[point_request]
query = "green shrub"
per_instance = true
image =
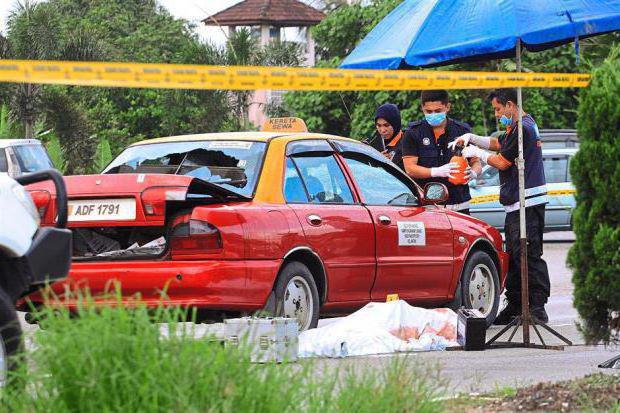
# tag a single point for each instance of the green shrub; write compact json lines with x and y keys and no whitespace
{"x":56,"y":152}
{"x":595,"y":170}
{"x":118,"y":359}
{"x":103,"y":155}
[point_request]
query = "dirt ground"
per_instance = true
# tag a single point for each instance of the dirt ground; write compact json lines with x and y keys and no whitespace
{"x":595,"y":392}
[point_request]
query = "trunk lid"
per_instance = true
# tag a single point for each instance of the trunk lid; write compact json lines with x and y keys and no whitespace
{"x":125,"y":216}
{"x":126,"y":199}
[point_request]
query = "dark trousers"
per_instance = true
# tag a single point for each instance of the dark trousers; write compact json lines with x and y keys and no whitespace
{"x":538,"y":274}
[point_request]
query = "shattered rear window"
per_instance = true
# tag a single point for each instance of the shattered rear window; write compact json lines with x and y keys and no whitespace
{"x":234,"y":165}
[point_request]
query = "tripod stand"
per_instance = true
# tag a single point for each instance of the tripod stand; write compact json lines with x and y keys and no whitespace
{"x":525,"y":319}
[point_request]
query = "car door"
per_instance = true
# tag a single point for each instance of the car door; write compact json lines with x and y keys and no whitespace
{"x":414,"y":244}
{"x":559,"y":192}
{"x":336,"y":226}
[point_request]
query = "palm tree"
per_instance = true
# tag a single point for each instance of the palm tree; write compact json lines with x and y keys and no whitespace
{"x":34,"y":33}
{"x":242,"y":49}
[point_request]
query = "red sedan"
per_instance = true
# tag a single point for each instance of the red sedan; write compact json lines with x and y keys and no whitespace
{"x":297,"y":224}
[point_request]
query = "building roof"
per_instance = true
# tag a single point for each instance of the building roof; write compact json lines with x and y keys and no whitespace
{"x":281,"y":13}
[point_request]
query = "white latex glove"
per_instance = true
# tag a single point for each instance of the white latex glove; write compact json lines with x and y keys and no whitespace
{"x":444,"y":171}
{"x":483,"y":142}
{"x":470,"y":174}
{"x":475,"y":152}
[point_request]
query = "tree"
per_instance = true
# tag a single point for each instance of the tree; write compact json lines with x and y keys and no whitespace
{"x":242,"y":49}
{"x":595,"y":171}
{"x":34,"y":33}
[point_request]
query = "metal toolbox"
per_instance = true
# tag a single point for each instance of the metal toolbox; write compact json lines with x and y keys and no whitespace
{"x":269,"y":339}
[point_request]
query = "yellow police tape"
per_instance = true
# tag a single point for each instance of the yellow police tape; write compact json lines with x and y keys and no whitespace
{"x":483,"y":199}
{"x":176,"y":76}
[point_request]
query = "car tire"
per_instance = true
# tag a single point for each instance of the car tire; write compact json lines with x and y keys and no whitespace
{"x":295,"y":295}
{"x":480,"y":285}
{"x":11,"y":337}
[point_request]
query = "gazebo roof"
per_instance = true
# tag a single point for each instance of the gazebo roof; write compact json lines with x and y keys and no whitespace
{"x":280,"y":13}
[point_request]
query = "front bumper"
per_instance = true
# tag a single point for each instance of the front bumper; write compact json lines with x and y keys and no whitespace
{"x":47,"y":260}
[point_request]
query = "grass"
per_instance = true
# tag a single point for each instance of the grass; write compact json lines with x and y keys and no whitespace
{"x":116,"y":359}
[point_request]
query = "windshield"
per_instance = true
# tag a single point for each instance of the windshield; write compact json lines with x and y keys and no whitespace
{"x":32,"y":158}
{"x":233,"y":165}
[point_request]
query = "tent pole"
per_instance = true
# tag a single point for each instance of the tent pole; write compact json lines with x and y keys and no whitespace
{"x":525,"y":310}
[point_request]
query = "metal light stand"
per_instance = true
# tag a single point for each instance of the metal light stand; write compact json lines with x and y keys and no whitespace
{"x":525,"y":319}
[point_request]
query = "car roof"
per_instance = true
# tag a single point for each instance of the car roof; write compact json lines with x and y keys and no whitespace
{"x":4,"y":143}
{"x":559,"y":151}
{"x":242,"y":136}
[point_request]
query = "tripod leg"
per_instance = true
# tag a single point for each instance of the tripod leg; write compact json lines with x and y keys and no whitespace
{"x":514,"y":322}
{"x":520,"y":323}
{"x":555,"y":333}
{"x":538,"y":334}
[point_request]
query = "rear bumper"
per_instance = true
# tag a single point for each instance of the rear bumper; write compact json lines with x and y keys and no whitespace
{"x":214,"y":284}
{"x":47,"y":260}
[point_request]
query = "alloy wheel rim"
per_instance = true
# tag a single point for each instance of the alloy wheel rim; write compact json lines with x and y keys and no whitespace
{"x":298,"y":302}
{"x":481,"y":289}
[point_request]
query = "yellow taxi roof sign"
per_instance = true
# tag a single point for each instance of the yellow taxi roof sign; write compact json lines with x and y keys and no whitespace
{"x":284,"y":125}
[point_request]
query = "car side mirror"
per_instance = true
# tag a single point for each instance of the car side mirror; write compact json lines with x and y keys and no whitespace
{"x":435,"y":192}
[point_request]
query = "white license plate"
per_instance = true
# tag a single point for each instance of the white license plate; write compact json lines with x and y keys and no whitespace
{"x":102,"y":209}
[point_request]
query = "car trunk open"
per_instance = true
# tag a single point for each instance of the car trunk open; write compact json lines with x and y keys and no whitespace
{"x":126,"y":216}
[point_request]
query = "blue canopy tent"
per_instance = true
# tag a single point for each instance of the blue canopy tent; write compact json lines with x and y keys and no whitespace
{"x":427,"y":33}
{"x":424,"y":33}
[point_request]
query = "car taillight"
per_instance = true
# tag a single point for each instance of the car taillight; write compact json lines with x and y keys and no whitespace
{"x":154,"y":199}
{"x":193,"y":237}
{"x":41,"y":201}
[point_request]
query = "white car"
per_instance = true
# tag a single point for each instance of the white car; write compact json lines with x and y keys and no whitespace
{"x":29,"y":256}
{"x":22,"y":156}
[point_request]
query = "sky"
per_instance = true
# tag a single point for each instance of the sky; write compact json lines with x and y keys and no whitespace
{"x":192,"y":10}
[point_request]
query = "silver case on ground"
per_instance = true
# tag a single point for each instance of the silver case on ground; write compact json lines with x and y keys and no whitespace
{"x":269,"y":339}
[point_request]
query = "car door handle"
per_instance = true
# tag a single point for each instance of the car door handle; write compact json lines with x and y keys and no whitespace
{"x":314,"y":219}
{"x":384,"y":220}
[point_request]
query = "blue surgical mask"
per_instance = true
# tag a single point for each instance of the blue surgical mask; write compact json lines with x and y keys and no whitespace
{"x":435,"y":119}
{"x":506,"y":121}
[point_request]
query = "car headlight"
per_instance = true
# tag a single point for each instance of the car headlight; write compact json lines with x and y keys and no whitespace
{"x":24,"y":198}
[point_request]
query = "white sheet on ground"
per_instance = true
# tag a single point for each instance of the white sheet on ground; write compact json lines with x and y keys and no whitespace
{"x":380,"y":328}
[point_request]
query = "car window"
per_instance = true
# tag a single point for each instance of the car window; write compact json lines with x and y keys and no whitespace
{"x":324,"y":179}
{"x":234,"y":165}
{"x":488,"y":177}
{"x":555,"y":169}
{"x":378,"y":185}
{"x":4,"y":165}
{"x":294,"y":189}
{"x":32,"y":158}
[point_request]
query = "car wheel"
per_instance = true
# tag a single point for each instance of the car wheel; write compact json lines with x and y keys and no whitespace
{"x":10,"y":334}
{"x":295,"y":295}
{"x":480,"y":285}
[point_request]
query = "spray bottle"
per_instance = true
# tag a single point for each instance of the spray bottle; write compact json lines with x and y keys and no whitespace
{"x":459,"y":177}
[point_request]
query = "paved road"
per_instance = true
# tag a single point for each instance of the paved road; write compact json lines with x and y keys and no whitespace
{"x":477,"y":372}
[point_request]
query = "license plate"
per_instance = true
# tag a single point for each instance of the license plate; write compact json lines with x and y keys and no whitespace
{"x":102,"y":209}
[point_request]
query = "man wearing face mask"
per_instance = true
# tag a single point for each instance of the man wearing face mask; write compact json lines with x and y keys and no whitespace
{"x":426,"y":155}
{"x":388,"y":134}
{"x":507,"y":111}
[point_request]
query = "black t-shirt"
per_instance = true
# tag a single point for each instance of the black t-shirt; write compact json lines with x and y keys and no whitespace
{"x":420,"y":141}
{"x":394,"y":151}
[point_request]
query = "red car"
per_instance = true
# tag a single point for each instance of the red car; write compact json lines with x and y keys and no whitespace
{"x":298,"y":224}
